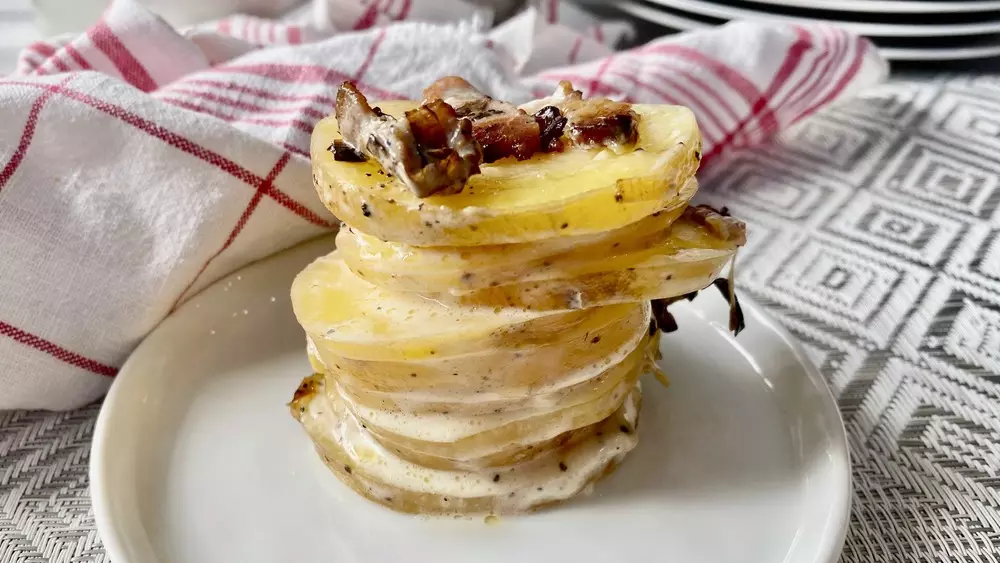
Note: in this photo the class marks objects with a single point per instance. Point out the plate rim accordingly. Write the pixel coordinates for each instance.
(834, 529)
(724, 11)
(841, 510)
(682, 23)
(891, 6)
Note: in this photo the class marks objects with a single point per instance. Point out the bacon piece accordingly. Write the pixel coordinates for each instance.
(504, 135)
(449, 153)
(500, 128)
(431, 149)
(602, 123)
(552, 123)
(592, 122)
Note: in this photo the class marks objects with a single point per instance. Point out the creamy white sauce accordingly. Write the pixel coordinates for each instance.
(527, 398)
(550, 477)
(445, 428)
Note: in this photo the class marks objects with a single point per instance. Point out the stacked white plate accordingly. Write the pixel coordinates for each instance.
(903, 29)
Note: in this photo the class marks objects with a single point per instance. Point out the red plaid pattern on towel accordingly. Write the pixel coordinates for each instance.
(138, 164)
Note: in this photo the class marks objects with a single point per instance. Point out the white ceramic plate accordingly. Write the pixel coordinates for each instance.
(942, 54)
(662, 17)
(978, 47)
(891, 6)
(196, 459)
(730, 12)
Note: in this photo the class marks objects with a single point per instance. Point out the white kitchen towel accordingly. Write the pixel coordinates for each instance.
(138, 164)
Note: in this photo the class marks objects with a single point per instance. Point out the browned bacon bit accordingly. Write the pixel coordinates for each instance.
(343, 152)
(596, 121)
(431, 150)
(501, 136)
(449, 155)
(500, 128)
(603, 123)
(721, 225)
(663, 319)
(736, 321)
(551, 123)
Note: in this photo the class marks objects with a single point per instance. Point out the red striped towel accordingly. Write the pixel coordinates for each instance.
(139, 164)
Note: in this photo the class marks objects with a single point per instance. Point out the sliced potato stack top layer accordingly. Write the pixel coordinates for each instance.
(576, 192)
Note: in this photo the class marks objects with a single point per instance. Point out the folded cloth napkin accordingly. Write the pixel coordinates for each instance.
(138, 163)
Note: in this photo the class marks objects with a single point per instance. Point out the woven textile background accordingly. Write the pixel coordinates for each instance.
(874, 237)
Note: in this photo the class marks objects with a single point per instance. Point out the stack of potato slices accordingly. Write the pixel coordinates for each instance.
(480, 352)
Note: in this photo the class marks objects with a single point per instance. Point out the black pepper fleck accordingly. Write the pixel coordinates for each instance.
(466, 276)
(625, 429)
(562, 466)
(413, 375)
(347, 468)
(595, 340)
(564, 225)
(428, 224)
(369, 174)
(473, 228)
(496, 478)
(365, 211)
(619, 197)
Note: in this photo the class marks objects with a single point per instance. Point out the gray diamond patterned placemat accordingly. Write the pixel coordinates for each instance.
(874, 237)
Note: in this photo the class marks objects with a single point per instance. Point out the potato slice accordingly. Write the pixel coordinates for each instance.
(461, 268)
(345, 315)
(579, 191)
(501, 374)
(626, 266)
(564, 469)
(453, 440)
(576, 389)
